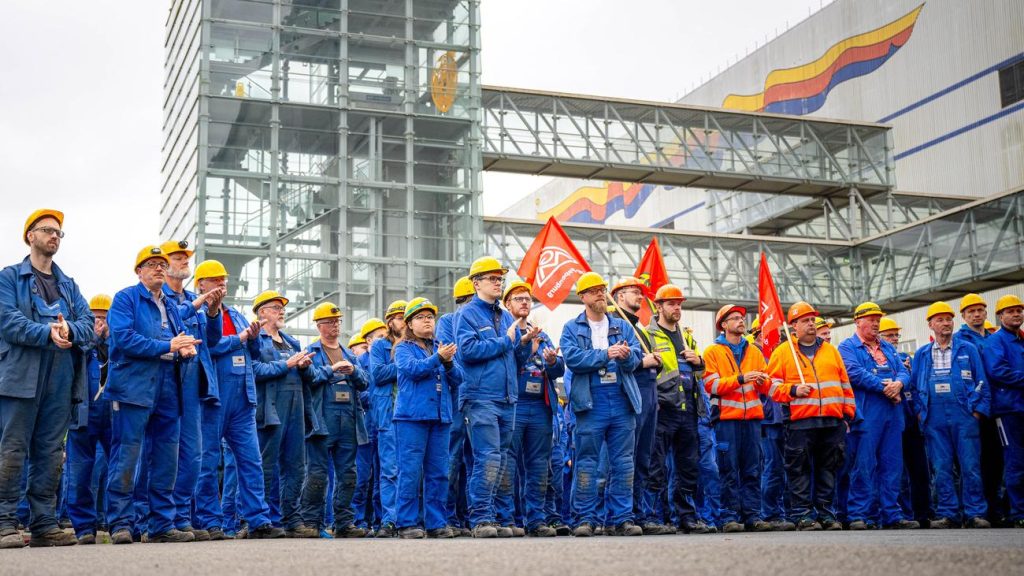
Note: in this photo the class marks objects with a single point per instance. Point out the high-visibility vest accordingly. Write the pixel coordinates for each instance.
(831, 394)
(731, 400)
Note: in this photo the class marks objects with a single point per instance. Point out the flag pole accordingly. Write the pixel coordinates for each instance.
(635, 331)
(796, 359)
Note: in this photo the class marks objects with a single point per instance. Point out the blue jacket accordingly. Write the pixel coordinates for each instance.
(92, 409)
(973, 337)
(966, 377)
(320, 390)
(136, 344)
(270, 372)
(231, 356)
(867, 385)
(486, 353)
(1004, 365)
(423, 383)
(584, 361)
(24, 338)
(200, 368)
(384, 376)
(528, 361)
(444, 331)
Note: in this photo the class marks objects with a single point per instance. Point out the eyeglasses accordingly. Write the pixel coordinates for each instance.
(49, 231)
(598, 291)
(329, 322)
(424, 316)
(521, 299)
(277, 307)
(492, 279)
(635, 291)
(156, 265)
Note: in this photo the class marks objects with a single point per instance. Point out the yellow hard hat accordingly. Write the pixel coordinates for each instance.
(484, 265)
(886, 324)
(1007, 301)
(371, 325)
(396, 307)
(325, 311)
(175, 246)
(463, 287)
(39, 215)
(938, 308)
(990, 326)
(820, 322)
(868, 309)
(209, 269)
(755, 326)
(970, 300)
(267, 296)
(417, 305)
(100, 302)
(150, 252)
(589, 280)
(517, 285)
(356, 340)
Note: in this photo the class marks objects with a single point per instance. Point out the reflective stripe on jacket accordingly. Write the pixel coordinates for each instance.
(831, 394)
(730, 398)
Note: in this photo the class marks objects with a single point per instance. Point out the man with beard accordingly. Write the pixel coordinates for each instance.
(199, 378)
(148, 346)
(45, 326)
(281, 370)
(602, 352)
(382, 400)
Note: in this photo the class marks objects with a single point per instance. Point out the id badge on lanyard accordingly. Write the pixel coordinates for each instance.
(941, 382)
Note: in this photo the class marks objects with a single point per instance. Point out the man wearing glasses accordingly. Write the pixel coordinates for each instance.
(602, 352)
(487, 337)
(149, 342)
(45, 326)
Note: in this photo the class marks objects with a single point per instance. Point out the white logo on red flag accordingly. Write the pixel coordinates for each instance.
(555, 268)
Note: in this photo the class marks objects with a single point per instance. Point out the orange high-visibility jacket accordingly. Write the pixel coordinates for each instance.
(731, 400)
(831, 393)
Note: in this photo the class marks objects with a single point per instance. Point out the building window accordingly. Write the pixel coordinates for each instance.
(1011, 84)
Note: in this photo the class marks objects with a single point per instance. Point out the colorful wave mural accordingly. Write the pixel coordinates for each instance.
(803, 89)
(594, 204)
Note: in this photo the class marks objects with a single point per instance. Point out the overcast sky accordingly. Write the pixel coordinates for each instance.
(82, 96)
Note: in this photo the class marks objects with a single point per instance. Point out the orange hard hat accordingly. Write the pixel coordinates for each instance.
(724, 311)
(627, 282)
(799, 310)
(669, 292)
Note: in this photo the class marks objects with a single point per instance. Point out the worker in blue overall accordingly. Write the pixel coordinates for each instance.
(878, 377)
(336, 425)
(90, 432)
(281, 370)
(366, 501)
(538, 365)
(382, 400)
(149, 344)
(463, 292)
(1004, 366)
(231, 423)
(45, 329)
(950, 395)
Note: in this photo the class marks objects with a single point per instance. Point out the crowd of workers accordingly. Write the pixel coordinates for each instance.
(162, 415)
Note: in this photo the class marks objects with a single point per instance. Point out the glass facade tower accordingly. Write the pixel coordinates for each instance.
(327, 149)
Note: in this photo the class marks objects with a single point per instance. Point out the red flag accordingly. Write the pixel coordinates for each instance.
(653, 274)
(769, 309)
(552, 265)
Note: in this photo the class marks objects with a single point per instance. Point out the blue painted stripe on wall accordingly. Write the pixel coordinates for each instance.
(959, 131)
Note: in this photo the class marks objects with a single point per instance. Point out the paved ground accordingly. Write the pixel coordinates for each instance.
(940, 553)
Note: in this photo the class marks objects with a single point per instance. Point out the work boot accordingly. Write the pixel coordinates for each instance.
(542, 531)
(584, 530)
(301, 531)
(121, 537)
(411, 533)
(833, 524)
(517, 531)
(485, 530)
(859, 525)
(350, 531)
(942, 524)
(387, 531)
(783, 526)
(267, 531)
(444, 532)
(219, 534)
(653, 529)
(627, 528)
(172, 535)
(693, 528)
(762, 526)
(903, 525)
(11, 538)
(505, 532)
(808, 525)
(54, 537)
(87, 539)
(561, 528)
(978, 522)
(464, 532)
(600, 530)
(732, 527)
(200, 535)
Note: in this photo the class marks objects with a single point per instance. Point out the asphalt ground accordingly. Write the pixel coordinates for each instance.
(902, 553)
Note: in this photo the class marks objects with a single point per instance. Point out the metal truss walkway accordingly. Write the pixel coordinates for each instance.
(579, 136)
(974, 247)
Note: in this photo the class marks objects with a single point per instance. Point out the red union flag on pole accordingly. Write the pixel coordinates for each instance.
(769, 308)
(552, 265)
(652, 273)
